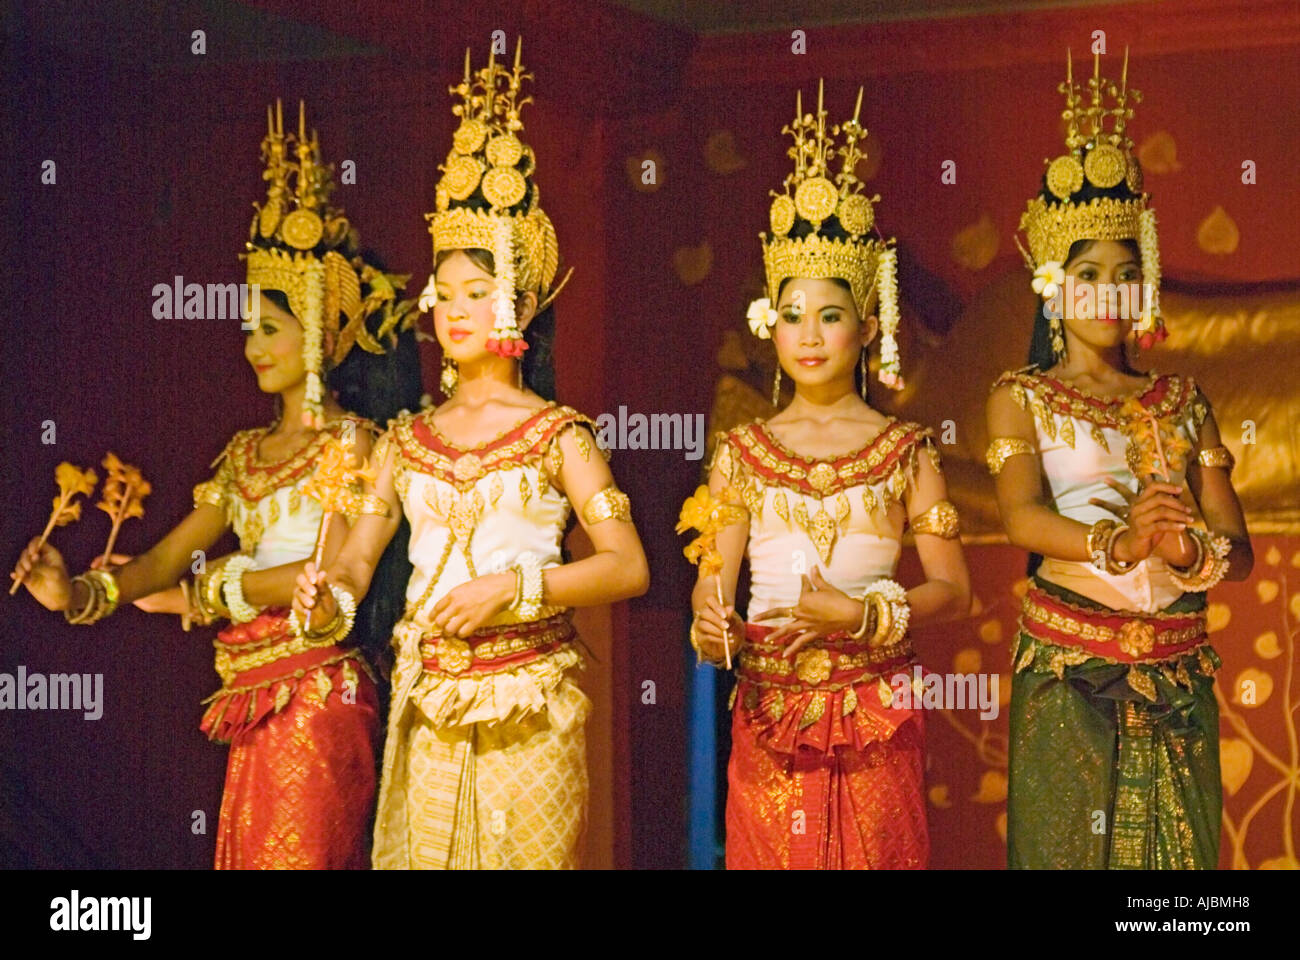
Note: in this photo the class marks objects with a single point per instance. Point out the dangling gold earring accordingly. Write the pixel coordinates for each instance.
(450, 376)
(862, 369)
(519, 373)
(776, 386)
(1058, 335)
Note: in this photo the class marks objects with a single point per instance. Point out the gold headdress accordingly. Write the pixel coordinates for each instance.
(1100, 154)
(864, 262)
(486, 199)
(304, 247)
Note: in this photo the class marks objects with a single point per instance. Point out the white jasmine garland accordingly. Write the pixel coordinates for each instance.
(887, 282)
(761, 318)
(1149, 245)
(312, 334)
(503, 300)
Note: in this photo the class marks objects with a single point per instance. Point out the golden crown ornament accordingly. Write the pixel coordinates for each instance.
(486, 199)
(1098, 153)
(867, 263)
(304, 247)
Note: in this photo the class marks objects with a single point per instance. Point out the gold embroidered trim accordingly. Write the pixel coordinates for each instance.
(1047, 398)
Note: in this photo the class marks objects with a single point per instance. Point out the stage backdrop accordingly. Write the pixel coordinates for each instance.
(156, 156)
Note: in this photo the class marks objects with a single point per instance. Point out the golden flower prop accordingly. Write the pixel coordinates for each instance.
(71, 482)
(1155, 446)
(122, 497)
(334, 483)
(708, 515)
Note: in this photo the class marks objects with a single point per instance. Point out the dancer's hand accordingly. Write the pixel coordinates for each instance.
(1155, 511)
(313, 601)
(719, 631)
(471, 605)
(45, 575)
(821, 611)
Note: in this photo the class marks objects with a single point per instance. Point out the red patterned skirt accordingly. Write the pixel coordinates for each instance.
(302, 722)
(825, 773)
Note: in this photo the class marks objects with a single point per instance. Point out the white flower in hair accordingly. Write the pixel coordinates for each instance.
(1049, 278)
(429, 296)
(761, 318)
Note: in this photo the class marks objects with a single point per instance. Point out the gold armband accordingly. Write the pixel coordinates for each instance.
(1002, 449)
(606, 504)
(1216, 457)
(940, 520)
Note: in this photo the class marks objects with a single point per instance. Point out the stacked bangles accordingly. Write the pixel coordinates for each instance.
(885, 614)
(208, 602)
(338, 626)
(1206, 570)
(1210, 565)
(1101, 547)
(101, 597)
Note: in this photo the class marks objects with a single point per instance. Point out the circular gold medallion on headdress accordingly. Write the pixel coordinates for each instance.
(815, 199)
(1105, 165)
(504, 151)
(461, 177)
(782, 214)
(1064, 177)
(469, 136)
(855, 213)
(504, 186)
(302, 229)
(1133, 176)
(269, 218)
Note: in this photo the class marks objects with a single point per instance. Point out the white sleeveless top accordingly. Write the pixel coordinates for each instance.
(475, 511)
(843, 515)
(1082, 442)
(275, 522)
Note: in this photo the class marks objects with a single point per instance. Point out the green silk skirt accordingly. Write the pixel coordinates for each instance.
(1103, 776)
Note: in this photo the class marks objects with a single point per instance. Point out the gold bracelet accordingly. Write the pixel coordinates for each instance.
(1114, 566)
(1213, 563)
(868, 607)
(1098, 537)
(82, 616)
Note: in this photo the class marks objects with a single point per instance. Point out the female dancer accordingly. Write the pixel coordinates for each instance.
(485, 762)
(1114, 759)
(300, 713)
(826, 767)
